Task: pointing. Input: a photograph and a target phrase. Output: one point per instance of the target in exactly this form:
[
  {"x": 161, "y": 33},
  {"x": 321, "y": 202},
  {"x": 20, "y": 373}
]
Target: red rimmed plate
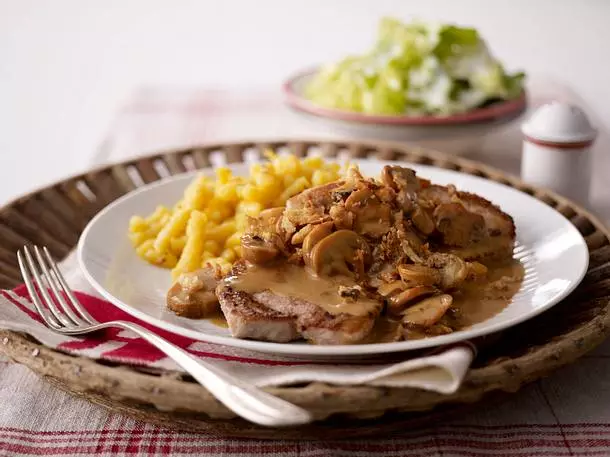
[{"x": 294, "y": 87}]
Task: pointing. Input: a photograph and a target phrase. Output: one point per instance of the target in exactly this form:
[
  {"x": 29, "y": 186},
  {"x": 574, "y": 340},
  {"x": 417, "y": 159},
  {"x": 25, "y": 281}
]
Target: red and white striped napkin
[{"x": 441, "y": 371}]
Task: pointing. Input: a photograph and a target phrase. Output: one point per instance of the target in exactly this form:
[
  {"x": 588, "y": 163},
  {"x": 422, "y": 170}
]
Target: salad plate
[
  {"x": 417, "y": 81},
  {"x": 295, "y": 88},
  {"x": 552, "y": 251}
]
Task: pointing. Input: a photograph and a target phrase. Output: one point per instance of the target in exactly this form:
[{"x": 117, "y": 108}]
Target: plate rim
[
  {"x": 505, "y": 109},
  {"x": 327, "y": 351}
]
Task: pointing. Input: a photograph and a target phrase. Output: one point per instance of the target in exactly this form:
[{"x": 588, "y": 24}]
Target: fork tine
[
  {"x": 66, "y": 288},
  {"x": 54, "y": 283},
  {"x": 27, "y": 279},
  {"x": 42, "y": 286}
]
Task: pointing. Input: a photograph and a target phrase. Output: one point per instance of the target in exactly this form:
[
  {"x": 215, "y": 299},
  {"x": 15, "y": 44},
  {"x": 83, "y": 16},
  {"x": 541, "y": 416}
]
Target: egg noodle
[{"x": 206, "y": 225}]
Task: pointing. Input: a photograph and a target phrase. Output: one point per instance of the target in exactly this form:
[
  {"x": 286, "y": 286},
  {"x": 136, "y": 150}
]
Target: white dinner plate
[{"x": 553, "y": 252}]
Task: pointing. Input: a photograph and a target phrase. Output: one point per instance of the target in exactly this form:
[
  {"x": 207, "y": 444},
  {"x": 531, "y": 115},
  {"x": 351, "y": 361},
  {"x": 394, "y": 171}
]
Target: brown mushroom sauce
[{"x": 356, "y": 243}]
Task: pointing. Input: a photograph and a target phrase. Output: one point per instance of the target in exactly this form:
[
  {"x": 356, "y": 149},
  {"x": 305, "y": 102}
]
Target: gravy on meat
[
  {"x": 337, "y": 294},
  {"x": 475, "y": 302}
]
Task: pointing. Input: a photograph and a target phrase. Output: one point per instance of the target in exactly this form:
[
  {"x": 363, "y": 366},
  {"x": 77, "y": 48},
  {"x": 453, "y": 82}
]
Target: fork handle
[{"x": 244, "y": 399}]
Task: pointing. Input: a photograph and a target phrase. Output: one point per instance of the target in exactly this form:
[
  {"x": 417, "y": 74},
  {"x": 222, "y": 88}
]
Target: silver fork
[{"x": 244, "y": 399}]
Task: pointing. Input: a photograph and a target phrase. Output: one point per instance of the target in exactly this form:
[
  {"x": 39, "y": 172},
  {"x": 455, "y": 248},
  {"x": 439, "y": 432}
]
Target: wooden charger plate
[{"x": 55, "y": 216}]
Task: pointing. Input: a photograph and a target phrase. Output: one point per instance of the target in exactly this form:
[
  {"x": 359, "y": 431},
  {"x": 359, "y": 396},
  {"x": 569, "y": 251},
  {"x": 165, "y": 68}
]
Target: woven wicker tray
[{"x": 55, "y": 216}]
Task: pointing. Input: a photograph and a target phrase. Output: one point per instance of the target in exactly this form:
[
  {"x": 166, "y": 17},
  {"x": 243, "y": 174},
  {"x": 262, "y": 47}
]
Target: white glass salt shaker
[{"x": 557, "y": 150}]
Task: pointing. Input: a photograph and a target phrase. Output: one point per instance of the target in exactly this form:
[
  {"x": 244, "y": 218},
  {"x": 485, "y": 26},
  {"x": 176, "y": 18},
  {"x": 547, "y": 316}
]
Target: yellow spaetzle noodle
[{"x": 206, "y": 225}]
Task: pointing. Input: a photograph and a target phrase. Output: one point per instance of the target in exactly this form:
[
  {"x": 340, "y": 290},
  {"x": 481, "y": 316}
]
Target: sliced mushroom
[
  {"x": 343, "y": 252},
  {"x": 418, "y": 274},
  {"x": 452, "y": 269},
  {"x": 404, "y": 182},
  {"x": 476, "y": 270},
  {"x": 317, "y": 233},
  {"x": 257, "y": 250},
  {"x": 358, "y": 198},
  {"x": 368, "y": 215},
  {"x": 388, "y": 288},
  {"x": 423, "y": 221},
  {"x": 408, "y": 250},
  {"x": 193, "y": 294},
  {"x": 428, "y": 311},
  {"x": 400, "y": 178},
  {"x": 299, "y": 236},
  {"x": 397, "y": 303}
]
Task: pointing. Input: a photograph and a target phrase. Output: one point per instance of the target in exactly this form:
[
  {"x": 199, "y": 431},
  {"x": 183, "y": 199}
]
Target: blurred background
[{"x": 67, "y": 67}]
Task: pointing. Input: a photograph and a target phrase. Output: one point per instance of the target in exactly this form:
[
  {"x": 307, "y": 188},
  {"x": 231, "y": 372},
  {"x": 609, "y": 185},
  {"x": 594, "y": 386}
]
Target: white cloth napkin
[{"x": 441, "y": 372}]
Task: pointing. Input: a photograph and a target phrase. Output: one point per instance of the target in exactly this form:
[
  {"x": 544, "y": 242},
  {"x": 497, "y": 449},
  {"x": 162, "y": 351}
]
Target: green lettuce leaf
[{"x": 416, "y": 68}]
